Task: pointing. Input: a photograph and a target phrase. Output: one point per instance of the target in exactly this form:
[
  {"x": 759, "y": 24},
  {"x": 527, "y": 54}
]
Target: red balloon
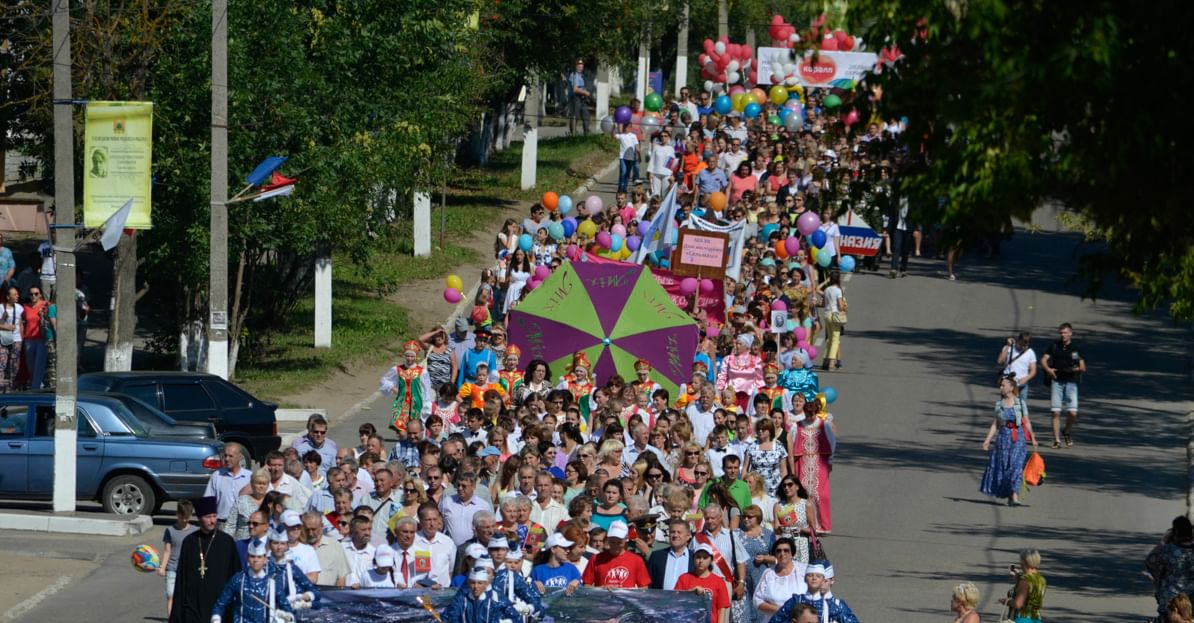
[
  {"x": 840, "y": 36},
  {"x": 776, "y": 20},
  {"x": 848, "y": 44},
  {"x": 829, "y": 45}
]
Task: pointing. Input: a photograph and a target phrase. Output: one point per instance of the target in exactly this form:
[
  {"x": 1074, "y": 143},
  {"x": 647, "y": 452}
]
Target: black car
[
  {"x": 161, "y": 425},
  {"x": 198, "y": 397}
]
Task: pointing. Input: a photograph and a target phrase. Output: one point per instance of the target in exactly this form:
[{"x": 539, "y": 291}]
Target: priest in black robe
[{"x": 207, "y": 559}]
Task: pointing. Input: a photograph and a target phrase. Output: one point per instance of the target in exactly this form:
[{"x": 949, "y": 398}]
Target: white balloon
[
  {"x": 793, "y": 37},
  {"x": 719, "y": 47},
  {"x": 733, "y": 77},
  {"x": 858, "y": 44},
  {"x": 709, "y": 86},
  {"x": 776, "y": 77},
  {"x": 791, "y": 81},
  {"x": 733, "y": 66},
  {"x": 718, "y": 87}
]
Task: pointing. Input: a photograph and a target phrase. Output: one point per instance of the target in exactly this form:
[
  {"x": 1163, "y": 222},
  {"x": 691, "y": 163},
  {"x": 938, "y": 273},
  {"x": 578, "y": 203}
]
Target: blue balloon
[
  {"x": 824, "y": 259},
  {"x": 569, "y": 226},
  {"x": 818, "y": 238},
  {"x": 555, "y": 230},
  {"x": 752, "y": 110},
  {"x": 723, "y": 104},
  {"x": 765, "y": 233},
  {"x": 615, "y": 244},
  {"x": 665, "y": 263},
  {"x": 564, "y": 205},
  {"x": 846, "y": 263},
  {"x": 783, "y": 113},
  {"x": 526, "y": 242},
  {"x": 830, "y": 394}
]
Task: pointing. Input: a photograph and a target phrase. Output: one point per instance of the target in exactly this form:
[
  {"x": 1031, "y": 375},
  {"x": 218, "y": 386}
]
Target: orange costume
[{"x": 688, "y": 393}]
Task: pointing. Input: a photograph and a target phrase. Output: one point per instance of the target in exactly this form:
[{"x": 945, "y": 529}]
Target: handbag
[
  {"x": 1034, "y": 469},
  {"x": 8, "y": 338},
  {"x": 839, "y": 317},
  {"x": 816, "y": 551}
]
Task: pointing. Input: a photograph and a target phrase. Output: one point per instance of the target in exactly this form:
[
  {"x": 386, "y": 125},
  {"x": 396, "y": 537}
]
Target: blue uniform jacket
[
  {"x": 839, "y": 612},
  {"x": 488, "y": 609},
  {"x": 522, "y": 589}
]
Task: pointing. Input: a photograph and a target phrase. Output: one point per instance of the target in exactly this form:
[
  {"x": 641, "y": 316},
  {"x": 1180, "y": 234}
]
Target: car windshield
[{"x": 129, "y": 419}]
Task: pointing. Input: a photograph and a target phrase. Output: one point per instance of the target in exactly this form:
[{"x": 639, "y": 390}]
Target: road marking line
[{"x": 31, "y": 603}]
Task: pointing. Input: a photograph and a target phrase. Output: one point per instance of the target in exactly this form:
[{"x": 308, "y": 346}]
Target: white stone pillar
[
  {"x": 422, "y": 232},
  {"x": 323, "y": 299}
]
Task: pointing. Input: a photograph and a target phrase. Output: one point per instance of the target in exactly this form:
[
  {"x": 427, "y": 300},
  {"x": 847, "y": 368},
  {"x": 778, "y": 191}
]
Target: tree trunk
[{"x": 122, "y": 322}]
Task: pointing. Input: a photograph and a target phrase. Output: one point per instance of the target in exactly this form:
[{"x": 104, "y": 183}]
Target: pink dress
[
  {"x": 744, "y": 373},
  {"x": 812, "y": 449},
  {"x": 739, "y": 185}
]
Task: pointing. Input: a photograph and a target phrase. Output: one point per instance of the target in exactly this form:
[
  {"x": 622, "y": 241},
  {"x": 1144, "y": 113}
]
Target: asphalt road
[{"x": 915, "y": 401}]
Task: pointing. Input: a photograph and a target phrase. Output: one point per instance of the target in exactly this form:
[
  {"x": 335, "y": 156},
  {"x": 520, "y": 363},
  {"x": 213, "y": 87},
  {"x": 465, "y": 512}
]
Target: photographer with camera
[{"x": 1018, "y": 361}]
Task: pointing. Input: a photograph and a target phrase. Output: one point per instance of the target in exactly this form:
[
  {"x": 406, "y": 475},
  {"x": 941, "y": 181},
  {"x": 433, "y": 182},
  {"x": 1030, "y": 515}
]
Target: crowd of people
[{"x": 509, "y": 479}]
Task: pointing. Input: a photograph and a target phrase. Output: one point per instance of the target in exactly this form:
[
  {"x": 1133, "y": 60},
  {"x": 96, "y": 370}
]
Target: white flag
[
  {"x": 115, "y": 225},
  {"x": 662, "y": 224}
]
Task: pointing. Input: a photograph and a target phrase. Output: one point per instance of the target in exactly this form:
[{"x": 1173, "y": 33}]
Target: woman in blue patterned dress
[
  {"x": 766, "y": 456},
  {"x": 1011, "y": 430}
]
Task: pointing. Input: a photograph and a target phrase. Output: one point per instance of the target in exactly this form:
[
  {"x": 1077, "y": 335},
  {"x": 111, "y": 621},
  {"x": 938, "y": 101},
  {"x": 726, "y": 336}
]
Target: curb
[
  {"x": 298, "y": 415},
  {"x": 75, "y": 524}
]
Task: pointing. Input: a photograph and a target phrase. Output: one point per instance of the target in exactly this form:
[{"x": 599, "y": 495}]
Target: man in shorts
[{"x": 1064, "y": 367}]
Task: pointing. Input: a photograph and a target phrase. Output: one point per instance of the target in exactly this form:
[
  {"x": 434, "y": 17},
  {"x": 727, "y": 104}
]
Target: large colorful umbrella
[{"x": 615, "y": 313}]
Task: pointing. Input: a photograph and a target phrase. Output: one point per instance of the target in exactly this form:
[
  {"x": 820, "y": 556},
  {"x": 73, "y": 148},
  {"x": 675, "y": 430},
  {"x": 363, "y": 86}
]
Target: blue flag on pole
[{"x": 263, "y": 170}]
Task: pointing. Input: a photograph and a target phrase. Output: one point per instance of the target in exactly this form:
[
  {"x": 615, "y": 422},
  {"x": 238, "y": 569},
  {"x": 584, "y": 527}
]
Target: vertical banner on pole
[{"x": 118, "y": 162}]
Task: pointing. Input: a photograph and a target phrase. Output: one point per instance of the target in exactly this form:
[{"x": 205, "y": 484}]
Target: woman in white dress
[
  {"x": 518, "y": 272},
  {"x": 781, "y": 581}
]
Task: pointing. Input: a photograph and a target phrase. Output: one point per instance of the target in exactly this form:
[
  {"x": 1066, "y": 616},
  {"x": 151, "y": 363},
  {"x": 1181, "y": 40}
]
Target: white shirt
[
  {"x": 833, "y": 294},
  {"x": 691, "y": 107},
  {"x": 411, "y": 576},
  {"x": 731, "y": 159},
  {"x": 297, "y": 494},
  {"x": 305, "y": 558},
  {"x": 225, "y": 486},
  {"x": 1022, "y": 362},
  {"x": 549, "y": 517},
  {"x": 831, "y": 232},
  {"x": 660, "y": 155},
  {"x": 702, "y": 421},
  {"x": 627, "y": 145},
  {"x": 443, "y": 553},
  {"x": 360, "y": 562},
  {"x": 775, "y": 589},
  {"x": 715, "y": 457}
]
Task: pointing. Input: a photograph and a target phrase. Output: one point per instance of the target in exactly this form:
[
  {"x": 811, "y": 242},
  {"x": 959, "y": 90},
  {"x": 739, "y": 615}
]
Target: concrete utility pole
[
  {"x": 217, "y": 327},
  {"x": 422, "y": 223},
  {"x": 530, "y": 132},
  {"x": 723, "y": 19},
  {"x": 323, "y": 296},
  {"x": 64, "y": 250},
  {"x": 681, "y": 79},
  {"x": 644, "y": 67},
  {"x": 603, "y": 76}
]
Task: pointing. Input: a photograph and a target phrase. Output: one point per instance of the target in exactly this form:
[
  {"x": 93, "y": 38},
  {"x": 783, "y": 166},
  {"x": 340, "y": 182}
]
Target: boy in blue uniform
[
  {"x": 818, "y": 598},
  {"x": 476, "y": 603},
  {"x": 258, "y": 594}
]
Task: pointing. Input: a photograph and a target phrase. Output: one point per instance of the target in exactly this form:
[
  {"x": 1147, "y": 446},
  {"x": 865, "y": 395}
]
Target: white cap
[
  {"x": 703, "y": 547},
  {"x": 256, "y": 548},
  {"x": 478, "y": 574},
  {"x": 515, "y": 554},
  {"x": 617, "y": 530},
  {"x": 384, "y": 556},
  {"x": 475, "y": 551},
  {"x": 291, "y": 519},
  {"x": 815, "y": 568},
  {"x": 498, "y": 542},
  {"x": 486, "y": 563},
  {"x": 828, "y": 571},
  {"x": 557, "y": 539},
  {"x": 279, "y": 536}
]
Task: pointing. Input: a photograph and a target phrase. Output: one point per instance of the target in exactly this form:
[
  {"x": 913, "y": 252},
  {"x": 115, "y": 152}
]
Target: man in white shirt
[
  {"x": 439, "y": 546},
  {"x": 333, "y": 562},
  {"x": 1019, "y": 361},
  {"x": 297, "y": 494},
  {"x": 734, "y": 127},
  {"x": 700, "y": 414},
  {"x": 359, "y": 551},
  {"x": 685, "y": 103},
  {"x": 639, "y": 445},
  {"x": 226, "y": 484},
  {"x": 663, "y": 155},
  {"x": 628, "y": 154},
  {"x": 733, "y": 157},
  {"x": 410, "y": 568},
  {"x": 546, "y": 510},
  {"x": 303, "y": 555},
  {"x": 458, "y": 510},
  {"x": 383, "y": 501}
]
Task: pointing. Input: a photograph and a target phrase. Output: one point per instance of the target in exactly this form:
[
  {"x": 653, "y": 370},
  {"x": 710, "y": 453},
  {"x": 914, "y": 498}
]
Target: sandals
[
  {"x": 1069, "y": 441},
  {"x": 1056, "y": 444}
]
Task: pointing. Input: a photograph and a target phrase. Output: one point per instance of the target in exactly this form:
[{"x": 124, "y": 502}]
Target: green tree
[{"x": 1019, "y": 102}]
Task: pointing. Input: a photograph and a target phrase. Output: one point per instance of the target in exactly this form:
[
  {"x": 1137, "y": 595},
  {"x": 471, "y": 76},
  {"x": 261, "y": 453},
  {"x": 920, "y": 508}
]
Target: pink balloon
[
  {"x": 712, "y": 331},
  {"x": 618, "y": 230},
  {"x": 573, "y": 252},
  {"x": 452, "y": 295},
  {"x": 812, "y": 351},
  {"x": 801, "y": 334},
  {"x": 792, "y": 245},
  {"x": 542, "y": 272},
  {"x": 594, "y": 205},
  {"x": 736, "y": 89},
  {"x": 532, "y": 284},
  {"x": 779, "y": 305},
  {"x": 808, "y": 223},
  {"x": 707, "y": 286},
  {"x": 604, "y": 240},
  {"x": 802, "y": 345},
  {"x": 688, "y": 286}
]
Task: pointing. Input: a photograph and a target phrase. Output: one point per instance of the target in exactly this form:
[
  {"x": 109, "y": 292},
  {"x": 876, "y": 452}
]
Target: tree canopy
[{"x": 1019, "y": 102}]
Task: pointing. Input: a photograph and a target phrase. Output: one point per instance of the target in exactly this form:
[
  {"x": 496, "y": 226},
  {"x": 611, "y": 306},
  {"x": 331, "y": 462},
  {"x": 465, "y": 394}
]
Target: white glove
[
  {"x": 523, "y": 608},
  {"x": 283, "y": 617},
  {"x": 215, "y": 618}
]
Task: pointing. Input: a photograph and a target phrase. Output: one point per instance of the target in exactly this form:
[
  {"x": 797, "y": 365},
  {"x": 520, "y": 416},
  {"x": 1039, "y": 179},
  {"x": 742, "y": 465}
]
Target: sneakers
[{"x": 891, "y": 275}]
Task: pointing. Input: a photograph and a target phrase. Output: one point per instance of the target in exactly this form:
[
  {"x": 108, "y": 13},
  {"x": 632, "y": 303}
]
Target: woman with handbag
[
  {"x": 795, "y": 516},
  {"x": 835, "y": 320},
  {"x": 10, "y": 339},
  {"x": 1011, "y": 430}
]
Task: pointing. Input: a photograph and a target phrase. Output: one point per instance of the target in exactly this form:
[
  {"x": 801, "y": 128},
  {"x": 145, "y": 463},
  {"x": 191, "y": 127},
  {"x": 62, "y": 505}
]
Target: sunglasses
[
  {"x": 410, "y": 490},
  {"x": 702, "y": 474},
  {"x": 690, "y": 453},
  {"x": 654, "y": 476},
  {"x": 783, "y": 550},
  {"x": 319, "y": 432},
  {"x": 788, "y": 484},
  {"x": 254, "y": 524}
]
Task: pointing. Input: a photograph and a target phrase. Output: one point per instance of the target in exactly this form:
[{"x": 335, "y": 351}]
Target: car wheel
[{"x": 129, "y": 495}]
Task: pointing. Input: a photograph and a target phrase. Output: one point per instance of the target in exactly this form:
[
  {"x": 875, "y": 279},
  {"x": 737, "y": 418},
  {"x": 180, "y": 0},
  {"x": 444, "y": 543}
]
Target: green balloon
[
  {"x": 832, "y": 101},
  {"x": 824, "y": 259},
  {"x": 773, "y": 120},
  {"x": 653, "y": 102}
]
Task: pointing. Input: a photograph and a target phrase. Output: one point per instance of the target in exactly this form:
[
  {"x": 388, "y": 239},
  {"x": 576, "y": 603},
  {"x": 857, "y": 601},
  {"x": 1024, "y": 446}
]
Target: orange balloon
[
  {"x": 718, "y": 201},
  {"x": 550, "y": 200},
  {"x": 760, "y": 96},
  {"x": 781, "y": 250}
]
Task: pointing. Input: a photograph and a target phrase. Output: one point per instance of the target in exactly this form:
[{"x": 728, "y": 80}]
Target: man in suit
[{"x": 667, "y": 565}]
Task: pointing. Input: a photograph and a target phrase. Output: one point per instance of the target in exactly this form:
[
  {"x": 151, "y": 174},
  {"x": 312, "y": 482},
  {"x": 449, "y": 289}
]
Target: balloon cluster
[
  {"x": 783, "y": 34},
  {"x": 887, "y": 56},
  {"x": 832, "y": 40},
  {"x": 453, "y": 289},
  {"x": 725, "y": 63}
]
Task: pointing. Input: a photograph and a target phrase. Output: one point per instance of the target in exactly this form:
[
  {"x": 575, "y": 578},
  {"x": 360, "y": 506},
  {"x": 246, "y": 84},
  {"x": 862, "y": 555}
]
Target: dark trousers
[
  {"x": 901, "y": 248},
  {"x": 36, "y": 357}
]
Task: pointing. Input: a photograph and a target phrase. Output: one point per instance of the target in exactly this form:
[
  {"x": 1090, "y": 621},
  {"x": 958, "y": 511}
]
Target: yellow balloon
[
  {"x": 812, "y": 253},
  {"x": 454, "y": 282},
  {"x": 624, "y": 253},
  {"x": 587, "y": 228},
  {"x": 778, "y": 94},
  {"x": 740, "y": 100}
]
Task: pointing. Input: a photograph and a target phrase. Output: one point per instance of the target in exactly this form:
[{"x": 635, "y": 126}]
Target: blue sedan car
[{"x": 119, "y": 463}]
